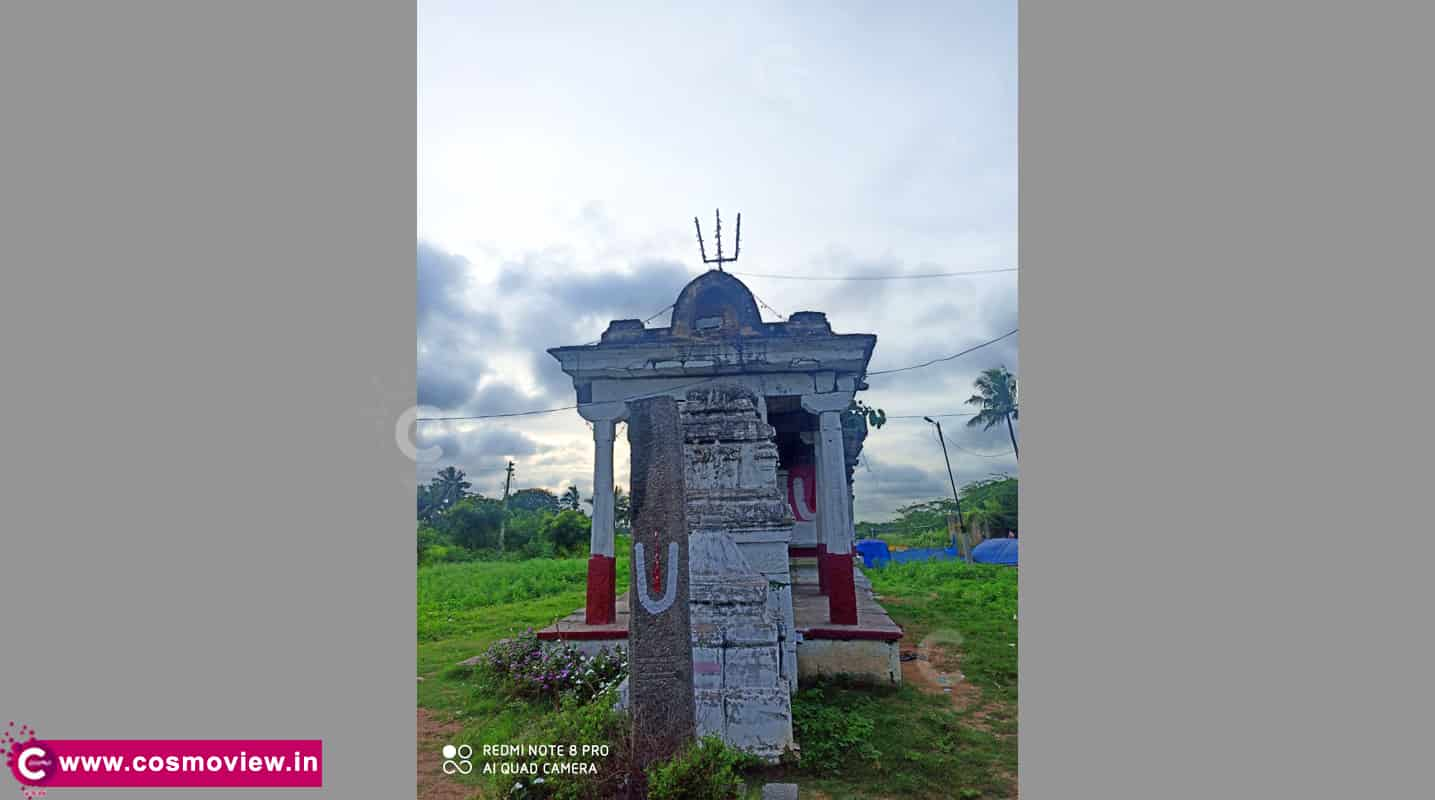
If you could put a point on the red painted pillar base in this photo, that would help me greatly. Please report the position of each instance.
(822, 568)
(841, 590)
(602, 581)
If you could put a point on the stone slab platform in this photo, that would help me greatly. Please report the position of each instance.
(809, 607)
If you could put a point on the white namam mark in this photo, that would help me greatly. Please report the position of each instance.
(670, 589)
(799, 500)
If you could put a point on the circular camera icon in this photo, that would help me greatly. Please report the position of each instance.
(457, 759)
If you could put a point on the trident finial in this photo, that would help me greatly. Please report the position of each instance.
(737, 245)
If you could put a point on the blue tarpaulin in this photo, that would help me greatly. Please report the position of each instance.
(925, 554)
(874, 552)
(995, 551)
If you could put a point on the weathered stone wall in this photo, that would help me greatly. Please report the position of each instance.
(744, 648)
(732, 488)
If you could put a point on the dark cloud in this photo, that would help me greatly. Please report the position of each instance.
(451, 334)
(442, 278)
(648, 286)
(880, 487)
(501, 442)
(442, 389)
(498, 397)
(542, 300)
(480, 454)
(553, 382)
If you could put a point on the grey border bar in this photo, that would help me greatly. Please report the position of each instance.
(207, 318)
(1224, 581)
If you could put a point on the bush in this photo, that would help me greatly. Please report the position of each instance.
(531, 670)
(831, 737)
(524, 528)
(567, 531)
(472, 522)
(428, 537)
(705, 770)
(594, 722)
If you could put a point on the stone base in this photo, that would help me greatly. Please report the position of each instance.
(871, 660)
(867, 650)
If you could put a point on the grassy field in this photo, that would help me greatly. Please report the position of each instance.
(859, 742)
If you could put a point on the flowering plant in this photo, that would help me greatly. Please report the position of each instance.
(534, 670)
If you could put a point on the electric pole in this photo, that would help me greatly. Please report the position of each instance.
(503, 523)
(953, 479)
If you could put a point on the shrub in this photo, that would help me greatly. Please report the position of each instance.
(568, 531)
(445, 553)
(472, 522)
(531, 670)
(594, 722)
(525, 527)
(705, 770)
(831, 737)
(428, 537)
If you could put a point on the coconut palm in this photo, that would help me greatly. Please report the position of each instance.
(996, 398)
(622, 508)
(570, 499)
(448, 487)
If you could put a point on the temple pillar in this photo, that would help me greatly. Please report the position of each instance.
(834, 523)
(601, 607)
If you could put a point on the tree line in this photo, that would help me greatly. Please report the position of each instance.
(457, 524)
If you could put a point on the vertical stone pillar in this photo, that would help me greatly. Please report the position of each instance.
(660, 654)
(819, 472)
(602, 575)
(834, 523)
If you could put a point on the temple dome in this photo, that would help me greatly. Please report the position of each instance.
(716, 303)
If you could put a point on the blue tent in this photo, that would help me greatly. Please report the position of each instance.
(995, 551)
(874, 552)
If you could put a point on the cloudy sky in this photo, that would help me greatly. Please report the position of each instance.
(564, 150)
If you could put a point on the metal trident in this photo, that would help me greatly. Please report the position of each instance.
(737, 246)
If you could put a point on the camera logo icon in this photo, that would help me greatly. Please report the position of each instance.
(457, 759)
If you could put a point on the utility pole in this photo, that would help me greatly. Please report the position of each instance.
(503, 523)
(953, 479)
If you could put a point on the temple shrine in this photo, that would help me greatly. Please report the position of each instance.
(769, 448)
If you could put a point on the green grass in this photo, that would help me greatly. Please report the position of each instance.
(970, 605)
(879, 743)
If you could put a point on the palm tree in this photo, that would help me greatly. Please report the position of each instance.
(622, 507)
(997, 400)
(448, 487)
(570, 499)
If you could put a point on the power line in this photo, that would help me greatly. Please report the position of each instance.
(660, 311)
(924, 416)
(945, 358)
(569, 408)
(975, 453)
(779, 314)
(645, 322)
(496, 416)
(536, 412)
(872, 277)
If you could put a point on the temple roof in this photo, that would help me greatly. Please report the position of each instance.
(715, 312)
(715, 303)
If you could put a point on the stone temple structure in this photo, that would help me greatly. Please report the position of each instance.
(768, 456)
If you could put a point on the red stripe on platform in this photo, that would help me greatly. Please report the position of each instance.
(839, 633)
(580, 635)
